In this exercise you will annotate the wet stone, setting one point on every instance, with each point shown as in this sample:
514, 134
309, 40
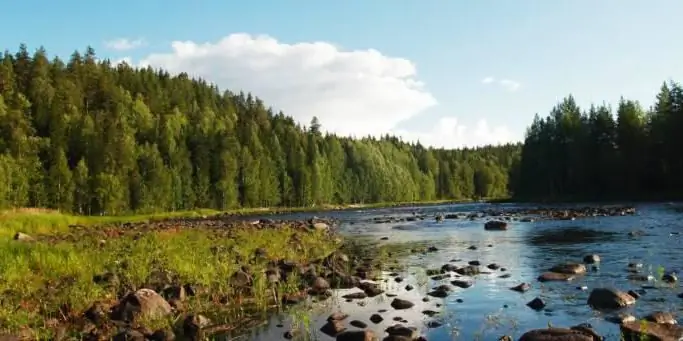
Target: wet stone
376, 318
536, 304
400, 304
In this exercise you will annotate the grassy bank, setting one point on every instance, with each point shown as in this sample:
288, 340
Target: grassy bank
49, 282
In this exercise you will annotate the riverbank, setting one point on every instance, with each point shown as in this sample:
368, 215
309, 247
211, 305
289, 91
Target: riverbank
89, 281
153, 276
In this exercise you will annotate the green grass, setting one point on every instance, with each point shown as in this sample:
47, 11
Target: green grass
51, 279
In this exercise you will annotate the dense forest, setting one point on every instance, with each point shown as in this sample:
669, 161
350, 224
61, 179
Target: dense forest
89, 137
599, 155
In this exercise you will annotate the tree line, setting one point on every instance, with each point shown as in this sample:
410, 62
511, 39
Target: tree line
90, 137
598, 154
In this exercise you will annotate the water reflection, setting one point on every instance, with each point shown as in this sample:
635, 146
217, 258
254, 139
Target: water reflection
489, 309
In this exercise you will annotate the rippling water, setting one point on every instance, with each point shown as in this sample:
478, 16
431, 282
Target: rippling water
489, 309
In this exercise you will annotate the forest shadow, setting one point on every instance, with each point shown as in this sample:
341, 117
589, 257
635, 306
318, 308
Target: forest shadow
570, 235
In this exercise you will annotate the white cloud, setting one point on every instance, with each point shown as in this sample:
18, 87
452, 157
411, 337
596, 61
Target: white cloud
449, 133
357, 92
124, 44
508, 84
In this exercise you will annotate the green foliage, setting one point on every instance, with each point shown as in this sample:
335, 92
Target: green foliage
90, 138
591, 155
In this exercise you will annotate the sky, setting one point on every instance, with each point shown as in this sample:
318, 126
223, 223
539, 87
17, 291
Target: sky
447, 73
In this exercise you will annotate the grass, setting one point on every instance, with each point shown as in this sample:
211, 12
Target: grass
50, 281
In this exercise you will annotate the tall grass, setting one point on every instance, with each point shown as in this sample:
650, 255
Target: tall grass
53, 280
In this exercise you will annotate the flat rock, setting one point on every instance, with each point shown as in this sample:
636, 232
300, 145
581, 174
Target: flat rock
569, 268
357, 335
557, 334
555, 277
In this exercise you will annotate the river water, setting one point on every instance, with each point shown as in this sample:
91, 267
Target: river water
489, 309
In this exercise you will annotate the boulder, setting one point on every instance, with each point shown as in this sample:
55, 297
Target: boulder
144, 302
608, 298
644, 330
496, 225
661, 317
400, 304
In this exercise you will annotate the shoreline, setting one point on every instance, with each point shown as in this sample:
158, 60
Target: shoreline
83, 279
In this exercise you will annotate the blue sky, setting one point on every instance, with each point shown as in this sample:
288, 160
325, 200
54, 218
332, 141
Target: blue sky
597, 50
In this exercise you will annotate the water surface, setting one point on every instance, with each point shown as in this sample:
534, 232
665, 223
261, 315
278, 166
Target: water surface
489, 309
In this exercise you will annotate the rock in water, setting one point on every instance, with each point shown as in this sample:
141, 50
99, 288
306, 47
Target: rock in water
569, 268
643, 330
661, 317
496, 225
357, 335
607, 298
591, 259
400, 304
557, 334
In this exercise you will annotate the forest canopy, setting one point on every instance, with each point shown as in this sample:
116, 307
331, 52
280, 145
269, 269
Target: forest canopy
591, 155
90, 137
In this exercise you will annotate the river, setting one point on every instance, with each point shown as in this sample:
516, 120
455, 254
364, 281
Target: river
489, 309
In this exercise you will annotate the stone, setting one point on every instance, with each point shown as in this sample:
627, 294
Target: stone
555, 277
143, 302
591, 259
644, 330
536, 304
569, 268
608, 298
524, 287
495, 225
556, 334
400, 304
661, 317
357, 335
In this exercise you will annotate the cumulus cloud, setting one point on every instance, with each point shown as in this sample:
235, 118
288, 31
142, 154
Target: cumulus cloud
124, 44
352, 92
449, 133
507, 84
